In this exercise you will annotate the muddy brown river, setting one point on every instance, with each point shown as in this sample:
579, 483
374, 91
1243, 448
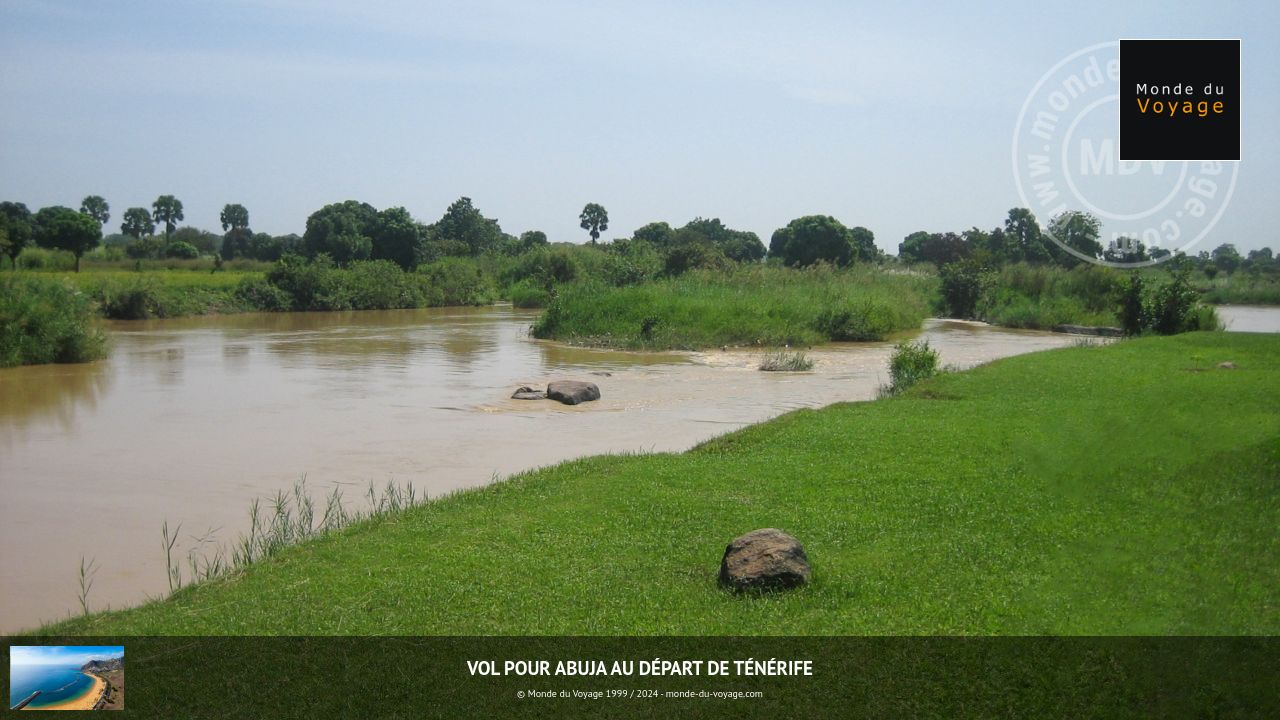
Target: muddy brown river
190, 419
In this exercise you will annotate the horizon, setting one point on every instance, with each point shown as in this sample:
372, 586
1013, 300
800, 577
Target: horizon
26, 655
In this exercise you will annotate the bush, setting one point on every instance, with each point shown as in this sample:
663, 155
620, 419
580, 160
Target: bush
1174, 306
38, 258
456, 281
911, 363
867, 320
256, 293
1133, 316
310, 284
179, 249
529, 294
963, 284
147, 248
46, 321
381, 284
135, 298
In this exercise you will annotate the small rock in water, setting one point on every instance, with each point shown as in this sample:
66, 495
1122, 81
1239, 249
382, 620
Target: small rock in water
602, 373
1228, 365
766, 559
528, 393
572, 392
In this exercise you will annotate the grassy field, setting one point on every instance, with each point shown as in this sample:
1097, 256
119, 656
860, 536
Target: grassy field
1126, 489
761, 306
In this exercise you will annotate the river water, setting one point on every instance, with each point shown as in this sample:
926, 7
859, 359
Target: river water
188, 420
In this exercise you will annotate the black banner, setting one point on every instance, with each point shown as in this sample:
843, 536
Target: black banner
695, 677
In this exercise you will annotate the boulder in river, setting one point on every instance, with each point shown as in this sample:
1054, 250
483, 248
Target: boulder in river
766, 559
572, 392
528, 393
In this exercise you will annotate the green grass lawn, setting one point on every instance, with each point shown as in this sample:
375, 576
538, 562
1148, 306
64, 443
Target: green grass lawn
1128, 489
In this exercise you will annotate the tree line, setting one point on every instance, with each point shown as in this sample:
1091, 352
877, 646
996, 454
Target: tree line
352, 230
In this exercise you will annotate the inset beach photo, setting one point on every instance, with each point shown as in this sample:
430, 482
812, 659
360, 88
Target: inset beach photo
66, 677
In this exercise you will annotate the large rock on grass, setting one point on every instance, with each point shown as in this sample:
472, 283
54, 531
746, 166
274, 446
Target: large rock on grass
572, 392
766, 559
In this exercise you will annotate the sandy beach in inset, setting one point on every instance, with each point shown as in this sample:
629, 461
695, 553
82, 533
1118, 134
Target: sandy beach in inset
84, 702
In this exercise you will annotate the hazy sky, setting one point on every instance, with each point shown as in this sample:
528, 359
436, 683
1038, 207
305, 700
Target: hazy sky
62, 654
894, 116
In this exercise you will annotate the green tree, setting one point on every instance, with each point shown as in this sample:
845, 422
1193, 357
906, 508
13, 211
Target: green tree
594, 219
1078, 231
1227, 258
167, 209
16, 231
1023, 239
235, 223
809, 239
464, 223
396, 237
530, 239
97, 208
657, 234
65, 229
137, 223
864, 244
738, 245
341, 231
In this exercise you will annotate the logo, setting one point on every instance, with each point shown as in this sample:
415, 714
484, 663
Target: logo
1066, 158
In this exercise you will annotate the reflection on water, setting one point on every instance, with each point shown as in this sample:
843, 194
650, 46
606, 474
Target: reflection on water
47, 395
191, 418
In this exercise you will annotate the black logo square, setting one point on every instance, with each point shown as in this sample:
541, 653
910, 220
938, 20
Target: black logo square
1179, 99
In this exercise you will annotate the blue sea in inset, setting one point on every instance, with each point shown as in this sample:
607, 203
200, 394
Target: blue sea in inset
56, 683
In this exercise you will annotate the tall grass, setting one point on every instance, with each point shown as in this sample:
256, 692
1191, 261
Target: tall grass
44, 320
1043, 296
750, 305
283, 520
1243, 289
786, 361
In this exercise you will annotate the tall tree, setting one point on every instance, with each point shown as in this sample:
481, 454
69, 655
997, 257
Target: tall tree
1078, 231
595, 220
397, 237
138, 223
864, 244
464, 223
1227, 258
235, 222
806, 240
1023, 241
167, 209
342, 231
16, 231
97, 208
65, 229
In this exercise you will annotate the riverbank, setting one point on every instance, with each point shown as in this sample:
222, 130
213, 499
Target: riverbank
1136, 497
748, 306
87, 701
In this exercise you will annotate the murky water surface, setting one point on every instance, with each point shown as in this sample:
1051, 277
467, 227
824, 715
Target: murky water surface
189, 419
